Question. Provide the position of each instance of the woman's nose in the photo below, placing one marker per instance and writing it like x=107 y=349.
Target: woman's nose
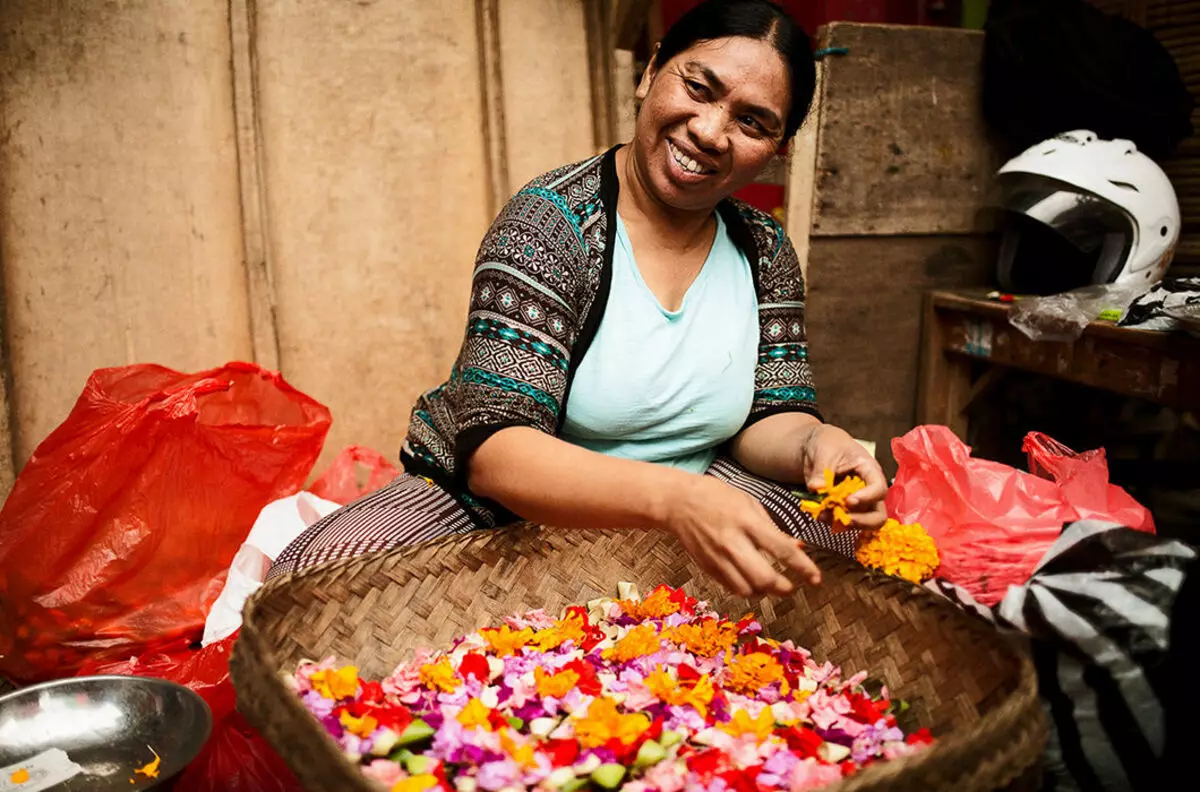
x=707 y=128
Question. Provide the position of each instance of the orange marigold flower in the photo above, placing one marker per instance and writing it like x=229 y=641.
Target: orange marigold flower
x=439 y=675
x=475 y=715
x=604 y=722
x=556 y=685
x=521 y=753
x=547 y=639
x=741 y=724
x=638 y=642
x=416 y=783
x=832 y=506
x=657 y=605
x=751 y=672
x=706 y=638
x=361 y=727
x=339 y=684
x=504 y=640
x=905 y=551
x=699 y=695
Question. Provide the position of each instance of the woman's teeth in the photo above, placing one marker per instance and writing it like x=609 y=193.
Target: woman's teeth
x=685 y=162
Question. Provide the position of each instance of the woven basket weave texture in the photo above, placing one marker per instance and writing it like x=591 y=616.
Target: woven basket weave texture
x=975 y=688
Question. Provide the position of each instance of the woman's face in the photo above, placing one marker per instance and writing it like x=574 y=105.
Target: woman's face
x=711 y=119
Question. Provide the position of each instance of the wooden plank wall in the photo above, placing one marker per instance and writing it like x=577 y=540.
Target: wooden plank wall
x=300 y=183
x=885 y=186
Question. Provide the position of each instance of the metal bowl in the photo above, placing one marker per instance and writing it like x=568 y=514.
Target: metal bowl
x=1188 y=317
x=107 y=725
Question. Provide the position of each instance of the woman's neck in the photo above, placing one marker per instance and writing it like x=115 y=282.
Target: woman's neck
x=677 y=229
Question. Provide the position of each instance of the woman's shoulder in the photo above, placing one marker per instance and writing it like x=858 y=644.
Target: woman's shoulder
x=574 y=185
x=568 y=197
x=778 y=271
x=767 y=233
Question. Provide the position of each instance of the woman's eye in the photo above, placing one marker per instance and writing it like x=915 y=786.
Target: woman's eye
x=696 y=87
x=752 y=122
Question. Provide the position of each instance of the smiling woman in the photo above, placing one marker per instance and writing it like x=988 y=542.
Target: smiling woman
x=635 y=353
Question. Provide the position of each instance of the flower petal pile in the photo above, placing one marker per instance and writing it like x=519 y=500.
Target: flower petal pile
x=653 y=694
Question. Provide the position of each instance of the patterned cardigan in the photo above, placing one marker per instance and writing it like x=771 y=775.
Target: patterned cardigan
x=539 y=289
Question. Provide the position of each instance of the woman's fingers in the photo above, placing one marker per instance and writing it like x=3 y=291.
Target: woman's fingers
x=876 y=484
x=754 y=567
x=727 y=574
x=869 y=518
x=787 y=551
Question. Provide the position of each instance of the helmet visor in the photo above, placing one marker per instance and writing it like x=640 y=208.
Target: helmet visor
x=1057 y=237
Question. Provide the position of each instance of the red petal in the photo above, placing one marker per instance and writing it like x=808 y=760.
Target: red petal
x=372 y=692
x=476 y=665
x=919 y=737
x=706 y=762
x=561 y=752
x=864 y=710
x=803 y=742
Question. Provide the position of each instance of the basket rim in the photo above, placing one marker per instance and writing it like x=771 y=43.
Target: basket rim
x=1019 y=709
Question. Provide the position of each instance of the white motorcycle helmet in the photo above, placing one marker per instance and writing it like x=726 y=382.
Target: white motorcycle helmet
x=1082 y=211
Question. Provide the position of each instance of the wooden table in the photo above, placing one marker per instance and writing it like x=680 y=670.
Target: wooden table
x=961 y=328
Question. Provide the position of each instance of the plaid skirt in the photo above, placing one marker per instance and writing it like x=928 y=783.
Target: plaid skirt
x=412 y=510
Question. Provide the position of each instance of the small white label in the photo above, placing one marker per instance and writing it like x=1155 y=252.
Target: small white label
x=38 y=772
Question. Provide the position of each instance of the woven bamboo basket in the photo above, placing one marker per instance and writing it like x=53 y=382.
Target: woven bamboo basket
x=974 y=688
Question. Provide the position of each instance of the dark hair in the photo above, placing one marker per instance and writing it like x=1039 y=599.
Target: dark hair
x=756 y=19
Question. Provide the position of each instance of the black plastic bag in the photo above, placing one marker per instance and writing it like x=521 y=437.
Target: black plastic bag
x=1111 y=614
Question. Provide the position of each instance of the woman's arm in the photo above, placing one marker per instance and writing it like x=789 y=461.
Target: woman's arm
x=547 y=480
x=774 y=446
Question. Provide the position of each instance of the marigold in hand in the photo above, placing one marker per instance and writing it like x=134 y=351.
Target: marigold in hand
x=832 y=509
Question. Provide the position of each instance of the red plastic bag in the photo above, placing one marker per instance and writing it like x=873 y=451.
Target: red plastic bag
x=1083 y=478
x=355 y=472
x=235 y=758
x=993 y=523
x=119 y=529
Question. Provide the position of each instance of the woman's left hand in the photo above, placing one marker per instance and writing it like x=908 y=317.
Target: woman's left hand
x=830 y=448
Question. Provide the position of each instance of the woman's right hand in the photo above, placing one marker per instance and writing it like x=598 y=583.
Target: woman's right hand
x=731 y=536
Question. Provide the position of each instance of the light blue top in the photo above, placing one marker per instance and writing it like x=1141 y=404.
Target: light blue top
x=669 y=386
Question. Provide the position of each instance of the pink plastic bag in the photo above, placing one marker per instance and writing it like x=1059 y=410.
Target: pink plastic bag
x=355 y=472
x=993 y=523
